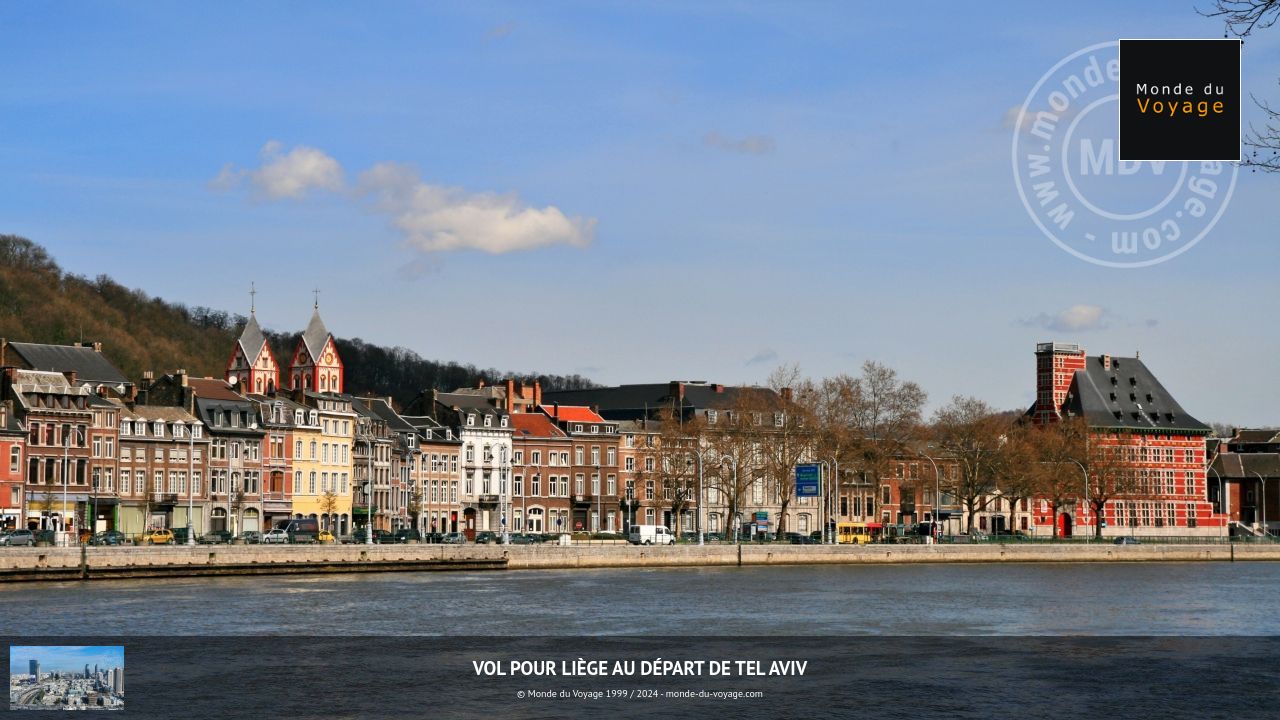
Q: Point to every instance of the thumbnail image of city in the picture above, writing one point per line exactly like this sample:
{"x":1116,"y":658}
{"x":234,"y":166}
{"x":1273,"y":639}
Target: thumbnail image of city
{"x":66,"y":677}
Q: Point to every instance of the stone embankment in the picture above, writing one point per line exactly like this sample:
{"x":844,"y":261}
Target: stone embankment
{"x":131,"y":562}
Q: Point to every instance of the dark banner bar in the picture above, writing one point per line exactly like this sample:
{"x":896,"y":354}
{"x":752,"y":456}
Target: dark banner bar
{"x":692,"y":677}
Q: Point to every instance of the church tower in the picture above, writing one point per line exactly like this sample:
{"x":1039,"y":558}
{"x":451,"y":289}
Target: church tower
{"x":316,"y":365}
{"x":253,"y":367}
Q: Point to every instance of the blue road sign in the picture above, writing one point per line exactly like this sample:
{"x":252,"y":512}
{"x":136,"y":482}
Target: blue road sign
{"x":808,"y":480}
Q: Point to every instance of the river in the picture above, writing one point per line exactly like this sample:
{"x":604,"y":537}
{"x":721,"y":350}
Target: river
{"x":1006,"y":599}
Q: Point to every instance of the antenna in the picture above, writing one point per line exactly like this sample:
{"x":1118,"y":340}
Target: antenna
{"x":316,"y":292}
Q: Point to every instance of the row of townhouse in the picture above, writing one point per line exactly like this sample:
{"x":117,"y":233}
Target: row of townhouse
{"x":81,"y":446}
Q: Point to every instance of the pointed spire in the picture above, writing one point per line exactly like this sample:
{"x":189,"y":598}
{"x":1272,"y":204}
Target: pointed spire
{"x":316,"y":335}
{"x":253,"y":292}
{"x":316,"y":293}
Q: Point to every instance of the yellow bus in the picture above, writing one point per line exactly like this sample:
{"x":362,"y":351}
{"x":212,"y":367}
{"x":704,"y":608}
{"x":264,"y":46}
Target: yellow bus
{"x":859,"y":533}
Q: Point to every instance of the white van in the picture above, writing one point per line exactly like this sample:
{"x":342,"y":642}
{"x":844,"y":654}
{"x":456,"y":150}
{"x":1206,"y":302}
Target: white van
{"x":651,"y":535}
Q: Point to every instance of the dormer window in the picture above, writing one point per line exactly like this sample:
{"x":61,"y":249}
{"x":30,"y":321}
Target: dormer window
{"x":595,"y":429}
{"x":711,"y":417}
{"x":471,"y":420}
{"x":504,"y":422}
{"x":197,"y":431}
{"x":577,"y":428}
{"x":777,"y":419}
{"x":141,"y":427}
{"x":179,"y":430}
{"x":488,"y":420}
{"x":126,"y":428}
{"x":157,"y":428}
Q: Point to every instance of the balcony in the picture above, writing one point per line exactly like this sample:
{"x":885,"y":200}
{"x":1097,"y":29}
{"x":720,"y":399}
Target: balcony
{"x":487,"y":499}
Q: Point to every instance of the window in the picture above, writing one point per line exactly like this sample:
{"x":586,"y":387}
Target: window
{"x":611,"y":456}
{"x":629,"y":463}
{"x":488,"y":420}
{"x":579,"y":484}
{"x":535,"y":485}
{"x":311,"y":484}
{"x":15,"y":460}
{"x":613,"y":485}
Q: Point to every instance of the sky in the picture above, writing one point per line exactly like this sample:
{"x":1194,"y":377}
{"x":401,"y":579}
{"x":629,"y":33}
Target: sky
{"x":637,"y":192}
{"x":70,"y":658}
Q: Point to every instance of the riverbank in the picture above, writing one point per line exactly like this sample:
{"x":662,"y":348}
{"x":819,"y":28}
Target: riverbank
{"x":35,"y":564}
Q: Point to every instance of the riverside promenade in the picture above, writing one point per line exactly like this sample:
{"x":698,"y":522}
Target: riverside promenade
{"x":93,"y":563}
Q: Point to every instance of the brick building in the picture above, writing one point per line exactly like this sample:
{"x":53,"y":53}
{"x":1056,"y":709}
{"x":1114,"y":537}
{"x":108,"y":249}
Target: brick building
{"x":594,"y":493}
{"x":12,"y":442}
{"x":1244,"y":480}
{"x":540,"y":453}
{"x":1162,"y":447}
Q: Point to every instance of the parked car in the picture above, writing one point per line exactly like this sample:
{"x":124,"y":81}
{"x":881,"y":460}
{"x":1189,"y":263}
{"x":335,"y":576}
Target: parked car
{"x":250,"y":537}
{"x":487,"y":537}
{"x":300,"y":530}
{"x":1128,"y":540}
{"x":434,"y":538}
{"x":407,"y":535}
{"x":325,"y":537}
{"x":108,"y":537}
{"x":379,"y":536}
{"x":525,"y":539}
{"x":453,"y":539}
{"x":18,"y":537}
{"x":161,"y":536}
{"x":278,"y":536}
{"x":799,"y":539}
{"x":217,"y":537}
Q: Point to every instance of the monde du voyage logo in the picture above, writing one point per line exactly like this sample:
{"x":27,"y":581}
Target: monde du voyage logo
{"x":1124,"y":153}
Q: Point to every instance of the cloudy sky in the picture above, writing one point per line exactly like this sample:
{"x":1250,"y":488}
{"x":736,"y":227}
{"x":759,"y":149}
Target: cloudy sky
{"x":70,"y":658}
{"x":636,"y":192}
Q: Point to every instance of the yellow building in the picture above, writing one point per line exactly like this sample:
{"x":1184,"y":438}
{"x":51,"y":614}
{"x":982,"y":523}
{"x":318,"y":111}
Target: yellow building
{"x":322,"y":460}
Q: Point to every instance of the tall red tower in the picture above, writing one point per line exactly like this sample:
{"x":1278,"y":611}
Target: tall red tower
{"x":1056,"y":365}
{"x":315,"y":364}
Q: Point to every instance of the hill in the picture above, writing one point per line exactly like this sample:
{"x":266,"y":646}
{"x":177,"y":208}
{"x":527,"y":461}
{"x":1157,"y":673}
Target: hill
{"x":41,"y":303}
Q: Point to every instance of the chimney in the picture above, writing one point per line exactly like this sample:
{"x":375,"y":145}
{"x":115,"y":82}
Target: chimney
{"x":676,"y":390}
{"x":1106,"y":362}
{"x":71,"y":376}
{"x":97,"y":347}
{"x":555,"y":411}
{"x":4,"y":350}
{"x":511,"y":394}
{"x":786,"y":394}
{"x":537,"y":392}
{"x":182,"y":377}
{"x":481,"y":383}
{"x":718,"y":388}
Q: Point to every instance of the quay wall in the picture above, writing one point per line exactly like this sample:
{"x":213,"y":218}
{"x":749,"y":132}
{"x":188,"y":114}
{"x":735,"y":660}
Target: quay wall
{"x":17,"y":564}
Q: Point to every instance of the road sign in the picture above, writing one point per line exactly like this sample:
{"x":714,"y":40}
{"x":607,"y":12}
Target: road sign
{"x":808,"y":480}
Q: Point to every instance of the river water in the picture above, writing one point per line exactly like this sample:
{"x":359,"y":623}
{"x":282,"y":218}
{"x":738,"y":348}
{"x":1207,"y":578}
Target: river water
{"x":1018,"y":599}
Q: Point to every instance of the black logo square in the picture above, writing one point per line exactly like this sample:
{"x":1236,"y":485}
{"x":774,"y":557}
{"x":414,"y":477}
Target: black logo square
{"x":1180,"y":100}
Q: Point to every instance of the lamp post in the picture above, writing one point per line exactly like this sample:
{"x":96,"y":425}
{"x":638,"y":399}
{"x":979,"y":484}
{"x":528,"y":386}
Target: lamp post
{"x":66,"y":467}
{"x":93,"y":523}
{"x":367,"y":486}
{"x":1222,"y":497}
{"x":937,"y":496}
{"x":701,"y":526}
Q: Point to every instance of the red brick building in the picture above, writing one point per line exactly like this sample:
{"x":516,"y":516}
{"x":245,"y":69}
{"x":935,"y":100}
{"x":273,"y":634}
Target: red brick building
{"x":1160,"y":444}
{"x":12,"y":442}
{"x":540,"y":453}
{"x":594,"y":490}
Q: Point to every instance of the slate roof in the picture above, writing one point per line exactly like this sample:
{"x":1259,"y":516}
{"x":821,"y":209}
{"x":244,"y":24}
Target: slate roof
{"x":626,"y":402}
{"x":473,"y":403}
{"x":1260,"y":437}
{"x":377,"y":407}
{"x":89,"y":365}
{"x":252,"y":338}
{"x":1126,"y":396}
{"x":1243,"y":465}
{"x":315,"y":336}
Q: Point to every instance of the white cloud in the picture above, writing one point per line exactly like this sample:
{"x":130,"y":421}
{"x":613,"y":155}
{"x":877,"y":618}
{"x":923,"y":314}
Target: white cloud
{"x":285,"y":175}
{"x":749,"y":145}
{"x":435,"y":218}
{"x":1077,"y":318}
{"x":432,"y":218}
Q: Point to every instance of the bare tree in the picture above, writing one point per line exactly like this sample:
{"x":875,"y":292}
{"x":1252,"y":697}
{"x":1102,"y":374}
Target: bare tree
{"x":786,"y":435}
{"x":1016,"y":470}
{"x":1111,"y":475}
{"x":734,"y":457}
{"x":1241,"y":18}
{"x":880,"y":415}
{"x":971,"y":434}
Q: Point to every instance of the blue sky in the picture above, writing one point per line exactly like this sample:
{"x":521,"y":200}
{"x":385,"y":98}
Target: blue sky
{"x":70,"y":658}
{"x":657,"y":191}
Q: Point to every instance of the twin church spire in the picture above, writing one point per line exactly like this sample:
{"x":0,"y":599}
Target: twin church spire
{"x":313,"y":366}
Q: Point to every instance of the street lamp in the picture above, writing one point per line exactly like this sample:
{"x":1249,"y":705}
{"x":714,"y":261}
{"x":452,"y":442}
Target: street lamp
{"x":368,"y":513}
{"x":1222,"y":497}
{"x":66,"y":446}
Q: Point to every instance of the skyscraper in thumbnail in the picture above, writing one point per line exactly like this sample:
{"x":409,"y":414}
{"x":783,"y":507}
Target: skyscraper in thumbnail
{"x":118,"y":679}
{"x":86,"y":671}
{"x":35,"y":669}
